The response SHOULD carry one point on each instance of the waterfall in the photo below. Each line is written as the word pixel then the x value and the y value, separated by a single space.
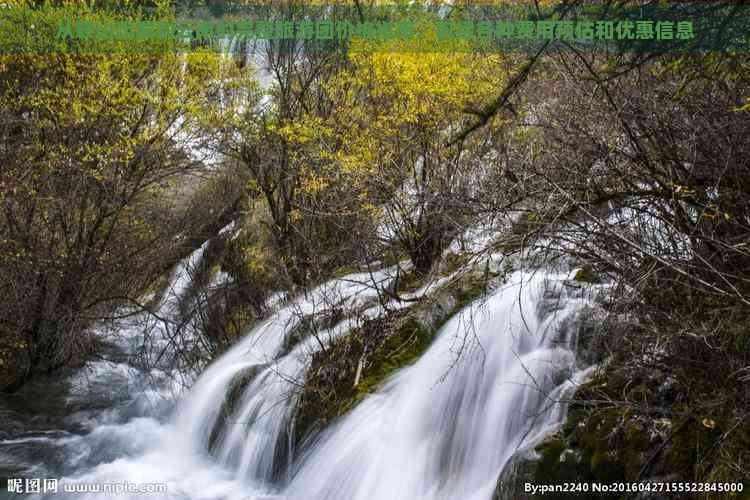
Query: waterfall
pixel 71 423
pixel 441 428
pixel 247 443
pixel 147 338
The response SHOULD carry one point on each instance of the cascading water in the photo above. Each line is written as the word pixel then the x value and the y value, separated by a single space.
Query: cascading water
pixel 445 426
pixel 248 443
pixel 105 410
pixel 440 429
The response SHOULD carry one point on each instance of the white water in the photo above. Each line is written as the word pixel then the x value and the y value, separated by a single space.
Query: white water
pixel 153 340
pixel 440 429
pixel 444 427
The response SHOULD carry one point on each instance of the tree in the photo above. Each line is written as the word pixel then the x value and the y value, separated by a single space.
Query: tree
pixel 89 146
pixel 396 108
pixel 268 140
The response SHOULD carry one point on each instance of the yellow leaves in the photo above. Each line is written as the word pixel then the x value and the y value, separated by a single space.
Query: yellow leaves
pixel 418 87
pixel 390 105
pixel 708 423
pixel 295 215
pixel 312 182
pixel 135 96
pixel 303 131
pixel 744 107
pixel 372 211
pixel 256 258
pixel 252 185
pixel 684 191
pixel 425 89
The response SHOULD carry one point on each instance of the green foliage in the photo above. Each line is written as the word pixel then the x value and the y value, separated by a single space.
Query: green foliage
pixel 398 341
pixel 400 349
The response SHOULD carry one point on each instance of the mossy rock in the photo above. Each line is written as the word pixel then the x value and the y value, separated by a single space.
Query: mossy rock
pixel 309 325
pixel 409 281
pixel 615 443
pixel 591 336
pixel 391 342
pixel 342 271
pixel 432 313
pixel 455 261
pixel 232 398
pixel 586 274
pixel 519 470
pixel 552 461
pixel 409 340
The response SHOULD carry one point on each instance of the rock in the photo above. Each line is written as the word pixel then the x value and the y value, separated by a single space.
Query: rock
pixel 550 462
pixel 520 469
pixel 591 336
pixel 311 324
pixel 436 311
pixel 586 274
pixel 232 398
